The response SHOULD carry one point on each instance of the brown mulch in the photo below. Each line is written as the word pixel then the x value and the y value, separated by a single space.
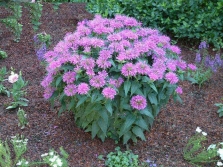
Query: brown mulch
pixel 175 124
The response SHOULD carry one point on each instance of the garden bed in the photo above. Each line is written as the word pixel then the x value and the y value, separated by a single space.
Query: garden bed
pixel 175 124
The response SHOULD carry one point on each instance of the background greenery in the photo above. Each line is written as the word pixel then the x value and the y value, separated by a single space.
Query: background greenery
pixel 192 19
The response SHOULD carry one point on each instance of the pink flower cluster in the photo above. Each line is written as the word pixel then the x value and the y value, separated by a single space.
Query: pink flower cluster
pixel 103 53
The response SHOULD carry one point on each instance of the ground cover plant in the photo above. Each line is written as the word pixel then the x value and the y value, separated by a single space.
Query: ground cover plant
pixel 170 132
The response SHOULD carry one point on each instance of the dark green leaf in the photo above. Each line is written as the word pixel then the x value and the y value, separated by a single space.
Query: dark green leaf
pixel 127 85
pixel 138 132
pixel 130 119
pixel 103 125
pixel 95 129
pixel 81 101
pixel 152 98
pixel 108 106
pixel 134 87
pixel 147 113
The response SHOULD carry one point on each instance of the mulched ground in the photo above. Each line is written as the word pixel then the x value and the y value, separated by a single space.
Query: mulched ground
pixel 175 124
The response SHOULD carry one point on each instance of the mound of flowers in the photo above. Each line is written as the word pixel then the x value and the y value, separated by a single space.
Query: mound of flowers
pixel 114 75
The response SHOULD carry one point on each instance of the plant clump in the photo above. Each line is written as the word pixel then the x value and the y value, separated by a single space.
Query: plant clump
pixel 115 75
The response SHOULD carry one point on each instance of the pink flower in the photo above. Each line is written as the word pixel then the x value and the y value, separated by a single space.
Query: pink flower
pixel 48 92
pixel 171 77
pixel 129 70
pixel 13 77
pixel 69 77
pixel 116 82
pixel 70 90
pixel 82 88
pixel 142 68
pixel 109 93
pixel 175 49
pixel 88 63
pixel 138 102
pixel 179 90
pixel 192 67
pixel 97 81
pixel 171 65
pixel 181 64
pixel 47 80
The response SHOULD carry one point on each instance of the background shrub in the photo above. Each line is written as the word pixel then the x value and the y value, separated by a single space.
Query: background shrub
pixel 197 19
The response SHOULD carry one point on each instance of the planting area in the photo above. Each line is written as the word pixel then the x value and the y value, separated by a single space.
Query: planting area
pixel 171 130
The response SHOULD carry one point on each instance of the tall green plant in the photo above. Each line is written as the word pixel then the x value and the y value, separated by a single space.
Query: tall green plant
pixel 12 22
pixel 35 13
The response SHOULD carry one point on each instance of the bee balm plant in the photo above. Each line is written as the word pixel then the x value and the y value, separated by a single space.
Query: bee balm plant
pixel 114 75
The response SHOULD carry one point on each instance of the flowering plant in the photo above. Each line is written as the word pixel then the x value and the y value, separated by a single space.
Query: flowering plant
pixel 115 75
pixel 196 154
pixel 206 65
pixel 17 91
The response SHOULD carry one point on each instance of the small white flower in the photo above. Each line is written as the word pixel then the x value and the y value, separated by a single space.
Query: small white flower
pixel 53 159
pixel 212 146
pixel 59 162
pixel 19 163
pixel 198 130
pixel 13 78
pixel 204 133
pixel 219 163
pixel 51 153
pixel 43 155
pixel 220 152
pixel 26 162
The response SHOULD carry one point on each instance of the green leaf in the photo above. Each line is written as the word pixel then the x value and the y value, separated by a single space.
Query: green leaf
pixel 103 125
pixel 138 132
pixel 108 106
pixel 22 103
pixel 142 123
pixel 81 101
pixel 127 85
pixel 62 108
pixel 71 104
pixel 95 129
pixel 103 115
pixel 126 137
pixel 130 119
pixel 152 98
pixel 58 81
pixel 134 87
pixel 153 87
pixel 146 112
pixel 10 107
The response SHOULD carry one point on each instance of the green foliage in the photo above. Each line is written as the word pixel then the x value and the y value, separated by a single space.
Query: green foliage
pixel 200 19
pixel 196 154
pixel 106 8
pixel 22 117
pixel 220 110
pixel 44 38
pixel 3 54
pixel 12 21
pixel 121 159
pixel 3 90
pixel 35 13
pixel 5 155
pixel 14 26
pixel 19 145
pixel 200 76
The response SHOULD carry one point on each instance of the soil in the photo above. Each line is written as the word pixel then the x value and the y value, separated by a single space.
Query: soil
pixel 175 124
